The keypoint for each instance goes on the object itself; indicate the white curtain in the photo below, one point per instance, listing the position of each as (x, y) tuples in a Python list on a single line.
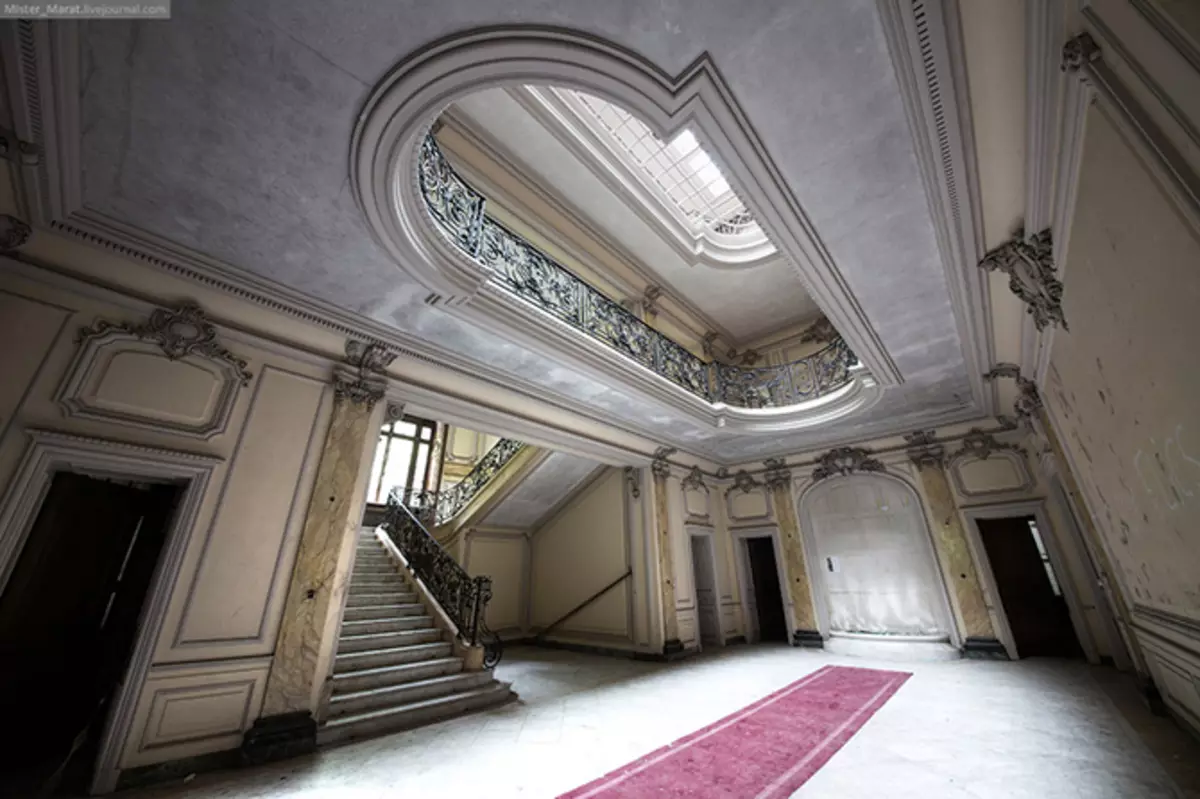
[(875, 560)]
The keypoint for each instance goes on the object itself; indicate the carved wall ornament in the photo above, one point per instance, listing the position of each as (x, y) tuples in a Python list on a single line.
[(180, 331), (1028, 401), (843, 461), (745, 482), (1029, 264), (362, 382), (650, 299), (660, 466), (924, 450), (982, 444), (633, 479), (821, 331), (694, 480), (1078, 52), (706, 343), (777, 474), (13, 233), (394, 412), (722, 472)]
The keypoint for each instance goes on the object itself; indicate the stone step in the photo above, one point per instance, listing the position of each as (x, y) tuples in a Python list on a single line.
[(399, 596), (369, 641), (371, 626), (381, 583), (382, 567), (414, 714), (389, 656), (366, 679), (405, 693), (383, 611)]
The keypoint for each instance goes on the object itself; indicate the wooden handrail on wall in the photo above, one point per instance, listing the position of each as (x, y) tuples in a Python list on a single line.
[(628, 573)]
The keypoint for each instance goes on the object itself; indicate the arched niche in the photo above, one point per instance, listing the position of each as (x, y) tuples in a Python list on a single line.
[(875, 576)]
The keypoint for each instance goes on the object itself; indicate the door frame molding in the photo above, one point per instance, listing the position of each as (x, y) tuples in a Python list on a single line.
[(695, 531), (746, 581), (1066, 579), (50, 452)]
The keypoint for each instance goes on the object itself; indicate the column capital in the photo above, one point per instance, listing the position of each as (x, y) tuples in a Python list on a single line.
[(659, 465), (778, 475), (361, 378), (924, 450), (633, 479), (1079, 52)]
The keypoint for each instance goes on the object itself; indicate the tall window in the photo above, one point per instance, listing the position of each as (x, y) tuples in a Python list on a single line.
[(402, 458)]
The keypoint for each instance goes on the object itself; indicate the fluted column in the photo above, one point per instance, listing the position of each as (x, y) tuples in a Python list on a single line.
[(804, 613), (950, 541), (661, 470), (288, 725)]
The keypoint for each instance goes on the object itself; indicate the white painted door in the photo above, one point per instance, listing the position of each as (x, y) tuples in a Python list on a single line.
[(708, 613)]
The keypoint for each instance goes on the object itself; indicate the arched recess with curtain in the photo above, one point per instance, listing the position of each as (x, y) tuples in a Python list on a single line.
[(875, 572)]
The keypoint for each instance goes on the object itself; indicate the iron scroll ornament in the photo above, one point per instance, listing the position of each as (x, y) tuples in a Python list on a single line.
[(459, 212), (463, 598)]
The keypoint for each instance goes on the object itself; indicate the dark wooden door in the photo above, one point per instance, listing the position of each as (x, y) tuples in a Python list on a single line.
[(68, 618), (768, 598), (1036, 609)]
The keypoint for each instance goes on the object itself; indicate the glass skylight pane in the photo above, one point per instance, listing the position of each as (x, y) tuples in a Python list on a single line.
[(685, 173)]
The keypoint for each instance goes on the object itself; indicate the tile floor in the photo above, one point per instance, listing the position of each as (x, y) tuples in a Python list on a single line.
[(1044, 730)]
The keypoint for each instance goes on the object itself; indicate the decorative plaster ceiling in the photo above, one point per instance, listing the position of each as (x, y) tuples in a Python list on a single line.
[(219, 139), (745, 302)]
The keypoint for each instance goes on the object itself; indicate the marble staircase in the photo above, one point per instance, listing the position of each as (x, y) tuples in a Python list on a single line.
[(395, 668)]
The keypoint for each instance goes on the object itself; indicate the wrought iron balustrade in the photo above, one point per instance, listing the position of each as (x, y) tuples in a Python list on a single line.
[(524, 270), (462, 597)]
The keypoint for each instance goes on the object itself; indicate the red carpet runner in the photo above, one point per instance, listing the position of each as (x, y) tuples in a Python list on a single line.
[(767, 749)]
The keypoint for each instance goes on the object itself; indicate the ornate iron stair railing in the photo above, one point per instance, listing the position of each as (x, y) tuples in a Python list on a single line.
[(521, 268), (462, 597)]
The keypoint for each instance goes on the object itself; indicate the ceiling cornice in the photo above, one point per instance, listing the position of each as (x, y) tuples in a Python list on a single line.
[(925, 41)]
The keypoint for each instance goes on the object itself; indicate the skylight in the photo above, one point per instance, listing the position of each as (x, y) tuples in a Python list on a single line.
[(681, 168)]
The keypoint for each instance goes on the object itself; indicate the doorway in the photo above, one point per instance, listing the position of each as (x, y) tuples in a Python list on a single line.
[(767, 616), (69, 616), (1030, 590), (708, 610)]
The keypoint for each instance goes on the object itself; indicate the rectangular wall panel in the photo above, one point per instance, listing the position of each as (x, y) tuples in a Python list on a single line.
[(246, 559)]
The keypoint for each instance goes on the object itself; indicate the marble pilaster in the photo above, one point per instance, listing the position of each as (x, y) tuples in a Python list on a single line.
[(950, 541), (288, 725), (661, 470), (804, 613)]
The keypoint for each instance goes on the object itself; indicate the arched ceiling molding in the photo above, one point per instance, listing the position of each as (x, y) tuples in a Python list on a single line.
[(384, 159)]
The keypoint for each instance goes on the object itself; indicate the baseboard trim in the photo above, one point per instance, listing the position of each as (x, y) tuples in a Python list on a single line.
[(808, 639), (984, 649), (280, 737)]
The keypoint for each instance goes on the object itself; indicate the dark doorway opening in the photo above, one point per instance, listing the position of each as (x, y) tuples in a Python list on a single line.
[(768, 597), (1030, 591), (68, 621)]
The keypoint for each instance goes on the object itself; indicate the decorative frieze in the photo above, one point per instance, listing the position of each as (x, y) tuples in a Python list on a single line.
[(361, 381), (694, 480), (180, 331), (924, 450), (1029, 264), (13, 233), (744, 481), (981, 445), (843, 461), (660, 466)]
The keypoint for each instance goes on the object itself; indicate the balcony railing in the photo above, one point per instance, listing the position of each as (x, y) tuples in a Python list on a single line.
[(517, 265)]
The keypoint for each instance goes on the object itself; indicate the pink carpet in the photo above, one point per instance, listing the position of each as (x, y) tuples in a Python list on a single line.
[(767, 749)]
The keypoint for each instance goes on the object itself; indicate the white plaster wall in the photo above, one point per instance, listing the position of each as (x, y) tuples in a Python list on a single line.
[(1122, 384), (581, 549), (502, 555), (210, 663)]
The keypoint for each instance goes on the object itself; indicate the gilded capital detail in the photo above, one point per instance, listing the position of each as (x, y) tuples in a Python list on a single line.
[(924, 450), (1029, 264), (660, 466), (361, 380), (843, 461), (778, 475)]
